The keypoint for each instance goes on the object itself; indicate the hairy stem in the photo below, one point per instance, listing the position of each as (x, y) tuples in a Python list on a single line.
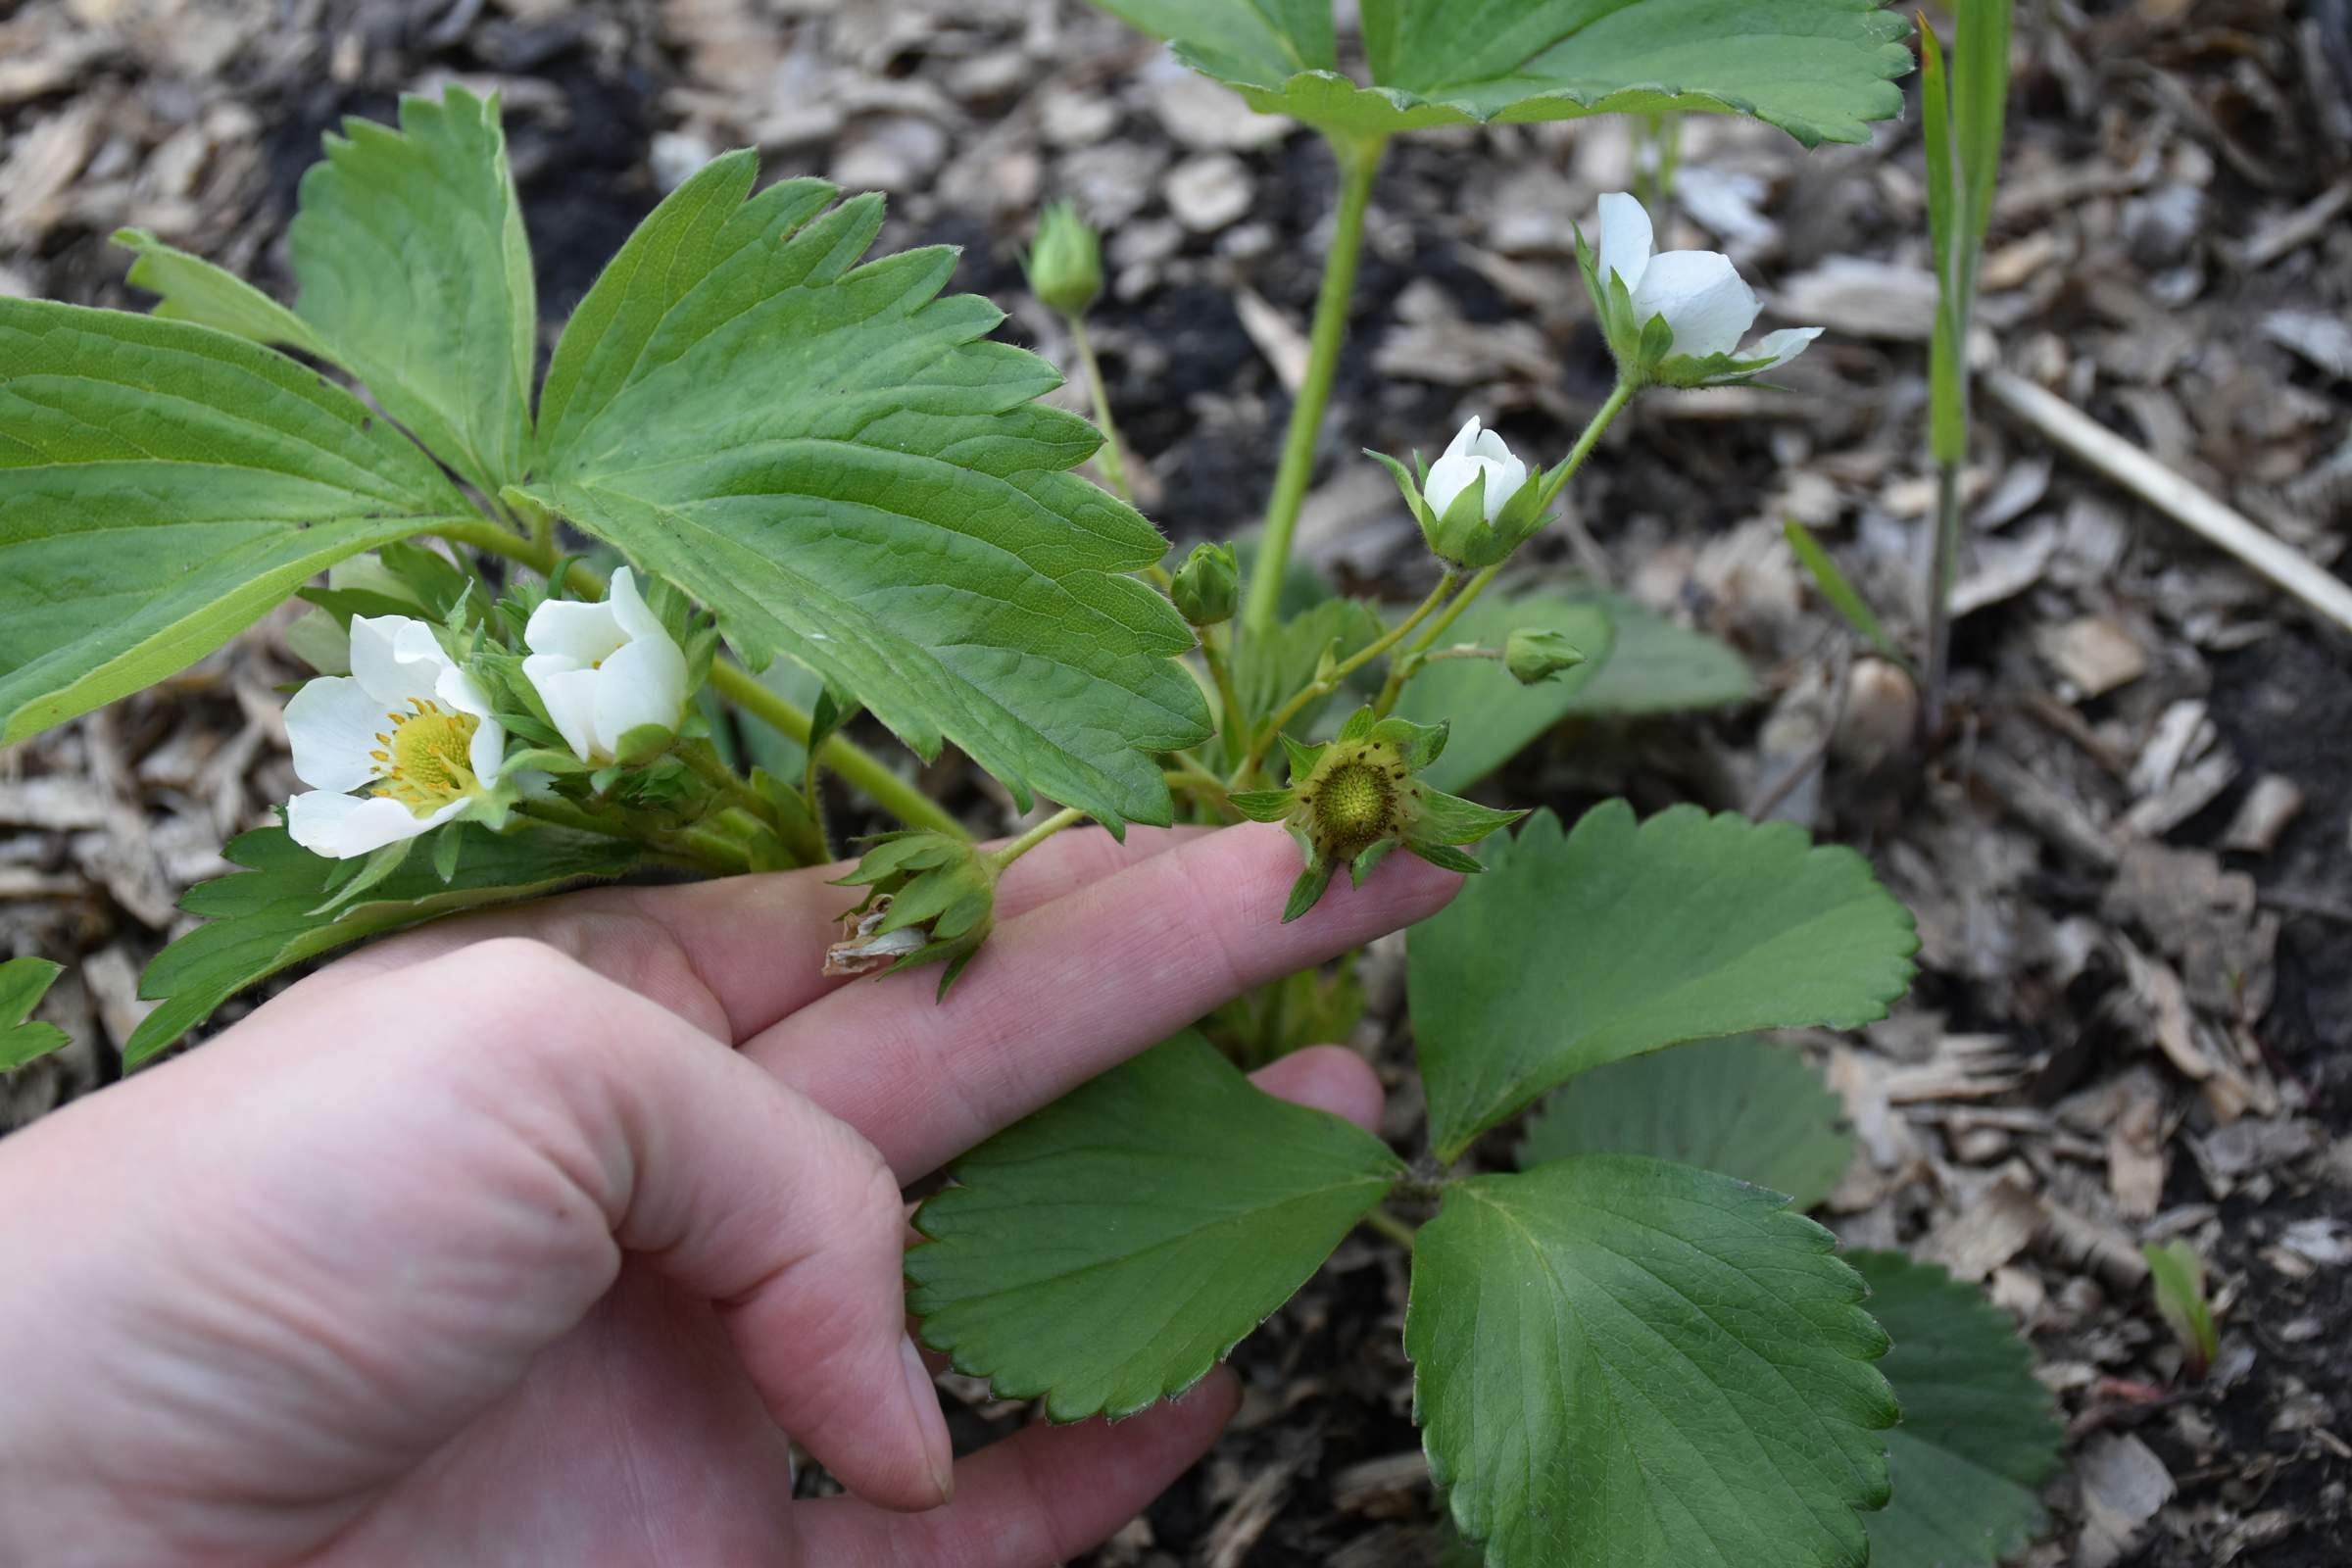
[(1355, 661), (1359, 161), (1220, 674), (1388, 1225), (1113, 457), (1067, 816)]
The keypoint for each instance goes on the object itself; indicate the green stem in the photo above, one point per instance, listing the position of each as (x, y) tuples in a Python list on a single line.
[(1388, 1225), (1327, 684), (1553, 483), (1067, 816), (1189, 774), (1113, 457), (856, 766), (1359, 161), (812, 795), (1220, 674), (1942, 570)]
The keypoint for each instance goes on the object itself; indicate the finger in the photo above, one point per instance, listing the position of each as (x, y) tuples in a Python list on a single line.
[(1329, 1078), (1042, 1495), (737, 953), (1076, 987), (741, 1190)]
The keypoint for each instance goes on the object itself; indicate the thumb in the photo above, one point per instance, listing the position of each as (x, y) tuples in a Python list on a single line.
[(745, 1193)]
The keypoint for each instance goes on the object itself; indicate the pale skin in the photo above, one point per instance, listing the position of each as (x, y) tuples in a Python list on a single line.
[(527, 1238)]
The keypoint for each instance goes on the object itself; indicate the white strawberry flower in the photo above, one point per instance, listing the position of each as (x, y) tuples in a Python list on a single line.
[(408, 725), (1707, 305), (1472, 451), (605, 668)]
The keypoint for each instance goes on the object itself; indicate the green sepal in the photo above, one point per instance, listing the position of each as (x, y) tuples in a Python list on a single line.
[(643, 742), (1444, 819), (1307, 889), (447, 847), (1302, 757), (1262, 805), (940, 886), (1369, 859), (1418, 744), (1446, 857)]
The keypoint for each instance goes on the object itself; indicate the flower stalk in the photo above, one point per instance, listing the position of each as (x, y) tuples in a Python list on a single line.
[(1359, 162)]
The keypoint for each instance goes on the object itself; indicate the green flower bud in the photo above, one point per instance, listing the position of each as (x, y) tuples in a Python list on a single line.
[(1476, 504), (1534, 654), (1206, 585), (932, 898), (1065, 266), (1353, 801)]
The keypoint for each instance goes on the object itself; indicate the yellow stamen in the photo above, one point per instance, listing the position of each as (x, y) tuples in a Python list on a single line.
[(430, 760)]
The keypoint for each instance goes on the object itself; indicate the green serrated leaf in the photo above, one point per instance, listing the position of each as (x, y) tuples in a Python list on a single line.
[(1579, 948), (1817, 69), (1108, 1251), (23, 1036), (164, 485), (1497, 715), (193, 289), (1979, 1436), (260, 922), (410, 266), (831, 457), (1624, 1363), (1742, 1107), (1657, 666)]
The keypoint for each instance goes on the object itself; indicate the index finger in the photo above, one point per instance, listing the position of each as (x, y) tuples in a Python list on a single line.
[(1076, 987)]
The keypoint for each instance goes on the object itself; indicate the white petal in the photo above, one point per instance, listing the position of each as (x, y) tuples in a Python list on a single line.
[(486, 752), (1491, 446), (340, 826), (1626, 240), (635, 615), (586, 632), (332, 723), (457, 689), (396, 657), (645, 683), (1783, 345), (1459, 447), (1449, 477), (569, 693), (1702, 298), (1503, 480)]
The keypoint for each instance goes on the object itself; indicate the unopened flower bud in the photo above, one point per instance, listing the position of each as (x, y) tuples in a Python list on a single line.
[(1534, 654), (1475, 503), (1676, 317), (1208, 584), (1066, 265)]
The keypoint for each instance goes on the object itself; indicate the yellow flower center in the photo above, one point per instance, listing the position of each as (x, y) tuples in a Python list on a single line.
[(427, 758), (1354, 804)]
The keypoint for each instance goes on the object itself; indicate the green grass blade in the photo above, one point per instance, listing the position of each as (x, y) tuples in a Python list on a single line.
[(1841, 593)]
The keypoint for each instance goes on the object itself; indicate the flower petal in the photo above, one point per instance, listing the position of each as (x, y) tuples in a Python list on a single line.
[(332, 723), (396, 657), (1783, 345), (569, 691), (1626, 240), (633, 614), (645, 683), (1459, 447), (1503, 480), (486, 752), (340, 826), (1702, 296), (577, 630), (1449, 477)]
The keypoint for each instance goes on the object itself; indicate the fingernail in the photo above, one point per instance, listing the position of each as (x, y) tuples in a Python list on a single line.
[(939, 1452)]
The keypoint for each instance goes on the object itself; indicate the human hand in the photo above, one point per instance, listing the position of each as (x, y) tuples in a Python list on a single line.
[(481, 1245)]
